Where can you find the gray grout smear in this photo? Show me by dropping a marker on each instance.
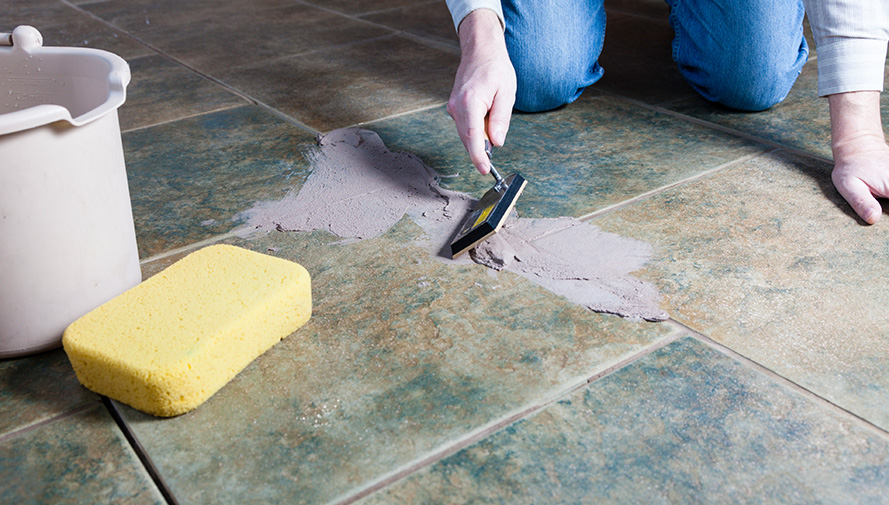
(359, 189)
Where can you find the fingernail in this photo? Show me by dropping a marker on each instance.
(498, 137)
(871, 216)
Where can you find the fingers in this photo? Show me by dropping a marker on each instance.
(499, 116)
(469, 116)
(859, 196)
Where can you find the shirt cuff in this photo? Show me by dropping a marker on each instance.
(461, 8)
(846, 65)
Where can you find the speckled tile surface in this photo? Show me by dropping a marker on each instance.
(83, 458)
(579, 159)
(374, 382)
(335, 88)
(429, 20)
(162, 91)
(252, 36)
(190, 178)
(36, 388)
(767, 259)
(683, 425)
(408, 360)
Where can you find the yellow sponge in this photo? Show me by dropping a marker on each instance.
(168, 344)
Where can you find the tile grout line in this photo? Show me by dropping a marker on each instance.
(153, 473)
(668, 187)
(194, 245)
(226, 86)
(495, 426)
(189, 116)
(398, 114)
(716, 126)
(31, 427)
(784, 381)
(416, 38)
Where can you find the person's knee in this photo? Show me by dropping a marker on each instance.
(545, 86)
(756, 83)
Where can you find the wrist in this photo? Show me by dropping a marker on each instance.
(480, 28)
(855, 123)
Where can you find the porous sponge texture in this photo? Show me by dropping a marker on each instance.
(167, 345)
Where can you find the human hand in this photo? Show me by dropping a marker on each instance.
(861, 156)
(484, 87)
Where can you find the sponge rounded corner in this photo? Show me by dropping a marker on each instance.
(167, 345)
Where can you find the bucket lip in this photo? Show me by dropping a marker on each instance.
(27, 41)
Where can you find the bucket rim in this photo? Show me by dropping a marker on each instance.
(27, 41)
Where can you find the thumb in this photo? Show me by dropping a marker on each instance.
(499, 116)
(859, 196)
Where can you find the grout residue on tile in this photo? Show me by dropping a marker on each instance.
(359, 189)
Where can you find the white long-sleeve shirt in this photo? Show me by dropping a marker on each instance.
(851, 37)
(461, 8)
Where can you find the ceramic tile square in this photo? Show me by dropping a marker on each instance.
(578, 159)
(83, 458)
(767, 259)
(64, 26)
(162, 91)
(258, 36)
(683, 425)
(334, 88)
(372, 383)
(190, 178)
(37, 388)
(428, 20)
(138, 16)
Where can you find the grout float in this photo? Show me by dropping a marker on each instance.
(359, 189)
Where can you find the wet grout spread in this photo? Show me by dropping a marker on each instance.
(359, 189)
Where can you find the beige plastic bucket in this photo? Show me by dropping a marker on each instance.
(67, 241)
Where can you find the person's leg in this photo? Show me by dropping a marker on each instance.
(554, 47)
(745, 54)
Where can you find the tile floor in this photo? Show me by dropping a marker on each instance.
(769, 384)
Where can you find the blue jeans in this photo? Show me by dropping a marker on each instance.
(744, 54)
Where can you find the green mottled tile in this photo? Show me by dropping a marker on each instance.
(683, 425)
(592, 154)
(137, 16)
(767, 259)
(334, 88)
(162, 91)
(428, 20)
(36, 388)
(64, 26)
(220, 42)
(403, 354)
(83, 458)
(190, 178)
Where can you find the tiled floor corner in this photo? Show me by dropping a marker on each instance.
(420, 381)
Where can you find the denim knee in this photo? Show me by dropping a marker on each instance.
(546, 85)
(749, 81)
(554, 47)
(744, 54)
